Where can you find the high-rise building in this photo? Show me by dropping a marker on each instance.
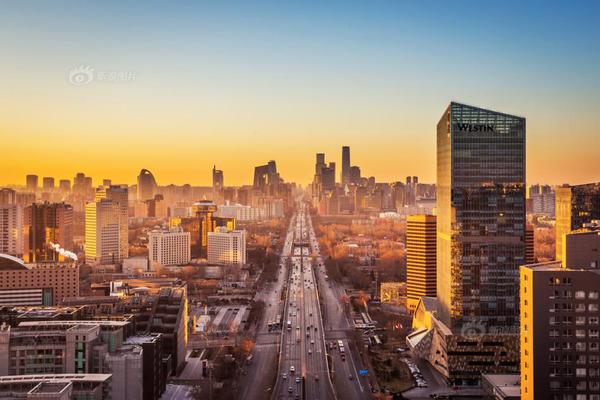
(106, 242)
(8, 196)
(560, 323)
(64, 185)
(48, 183)
(217, 179)
(575, 206)
(169, 247)
(11, 229)
(320, 164)
(345, 179)
(31, 182)
(146, 185)
(420, 258)
(481, 216)
(265, 176)
(227, 247)
(45, 224)
(328, 177)
(354, 175)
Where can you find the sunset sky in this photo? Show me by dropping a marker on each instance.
(239, 83)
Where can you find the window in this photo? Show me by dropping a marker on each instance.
(580, 294)
(581, 372)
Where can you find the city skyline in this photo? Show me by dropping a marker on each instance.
(204, 84)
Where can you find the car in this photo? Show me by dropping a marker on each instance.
(351, 377)
(284, 376)
(316, 377)
(309, 351)
(297, 379)
(290, 389)
(292, 369)
(312, 342)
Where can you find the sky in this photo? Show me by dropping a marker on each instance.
(108, 88)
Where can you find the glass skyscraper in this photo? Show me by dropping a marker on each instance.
(481, 217)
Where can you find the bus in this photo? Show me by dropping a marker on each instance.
(340, 344)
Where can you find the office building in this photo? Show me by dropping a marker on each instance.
(154, 374)
(355, 175)
(45, 224)
(420, 258)
(575, 206)
(106, 240)
(328, 177)
(11, 229)
(529, 244)
(146, 185)
(345, 178)
(36, 284)
(240, 212)
(169, 247)
(560, 323)
(56, 386)
(126, 365)
(57, 347)
(31, 182)
(8, 196)
(64, 185)
(481, 216)
(227, 247)
(266, 177)
(48, 183)
(217, 179)
(471, 327)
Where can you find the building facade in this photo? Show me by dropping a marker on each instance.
(575, 206)
(11, 229)
(106, 237)
(227, 247)
(44, 224)
(36, 284)
(420, 258)
(169, 247)
(481, 216)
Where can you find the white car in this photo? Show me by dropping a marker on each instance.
(292, 369)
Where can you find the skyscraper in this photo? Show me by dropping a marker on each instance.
(575, 206)
(8, 196)
(11, 229)
(328, 177)
(32, 182)
(146, 185)
(420, 258)
(217, 179)
(105, 242)
(355, 175)
(345, 165)
(46, 223)
(48, 183)
(481, 216)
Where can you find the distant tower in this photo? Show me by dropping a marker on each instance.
(32, 182)
(146, 185)
(345, 165)
(217, 179)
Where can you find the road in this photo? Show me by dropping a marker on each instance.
(303, 370)
(258, 377)
(346, 379)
